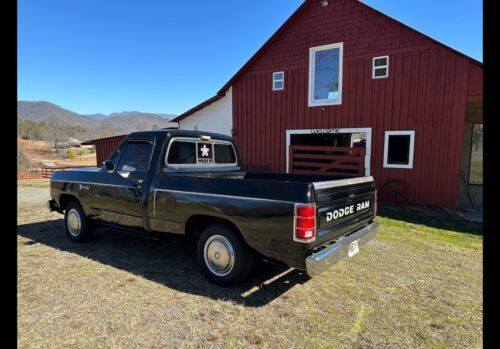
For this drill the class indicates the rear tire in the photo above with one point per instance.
(223, 255)
(78, 227)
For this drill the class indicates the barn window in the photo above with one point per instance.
(325, 74)
(398, 149)
(380, 67)
(278, 81)
(476, 155)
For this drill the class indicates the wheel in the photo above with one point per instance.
(223, 255)
(78, 226)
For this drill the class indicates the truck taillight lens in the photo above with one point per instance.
(375, 205)
(305, 222)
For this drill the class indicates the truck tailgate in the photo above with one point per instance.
(343, 206)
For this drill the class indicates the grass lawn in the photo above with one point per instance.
(417, 285)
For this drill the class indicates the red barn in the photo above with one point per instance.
(343, 88)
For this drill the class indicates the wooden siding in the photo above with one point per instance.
(216, 117)
(105, 147)
(426, 92)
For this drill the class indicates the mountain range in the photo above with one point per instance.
(124, 122)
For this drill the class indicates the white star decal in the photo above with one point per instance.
(204, 150)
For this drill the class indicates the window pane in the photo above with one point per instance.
(224, 154)
(278, 85)
(380, 62)
(380, 71)
(326, 74)
(135, 157)
(182, 153)
(278, 76)
(399, 150)
(476, 155)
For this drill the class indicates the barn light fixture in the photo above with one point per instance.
(324, 3)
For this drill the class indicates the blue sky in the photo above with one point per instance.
(95, 56)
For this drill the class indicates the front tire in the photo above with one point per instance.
(78, 226)
(223, 255)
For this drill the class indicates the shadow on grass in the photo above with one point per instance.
(430, 216)
(169, 262)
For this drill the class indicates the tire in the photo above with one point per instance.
(78, 227)
(223, 255)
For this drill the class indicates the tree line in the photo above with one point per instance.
(55, 133)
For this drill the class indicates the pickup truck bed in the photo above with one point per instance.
(262, 208)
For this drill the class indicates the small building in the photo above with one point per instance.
(68, 143)
(343, 88)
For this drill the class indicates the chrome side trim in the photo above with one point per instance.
(341, 182)
(324, 259)
(94, 183)
(225, 196)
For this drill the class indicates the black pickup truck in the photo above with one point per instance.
(192, 183)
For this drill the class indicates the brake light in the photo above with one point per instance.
(375, 205)
(305, 222)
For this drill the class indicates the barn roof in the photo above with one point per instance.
(222, 92)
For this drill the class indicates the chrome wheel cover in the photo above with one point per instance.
(219, 255)
(74, 222)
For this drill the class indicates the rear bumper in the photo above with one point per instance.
(324, 259)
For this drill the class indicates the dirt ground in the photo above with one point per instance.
(417, 285)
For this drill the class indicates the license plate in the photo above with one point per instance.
(353, 248)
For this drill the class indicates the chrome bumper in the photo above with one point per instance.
(324, 259)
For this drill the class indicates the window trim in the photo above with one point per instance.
(197, 165)
(410, 133)
(282, 80)
(374, 68)
(470, 155)
(124, 145)
(312, 51)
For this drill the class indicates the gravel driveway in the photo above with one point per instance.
(32, 195)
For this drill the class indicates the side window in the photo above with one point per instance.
(116, 155)
(398, 149)
(380, 67)
(135, 157)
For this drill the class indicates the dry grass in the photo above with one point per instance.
(37, 183)
(414, 286)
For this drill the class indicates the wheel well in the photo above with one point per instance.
(197, 223)
(65, 199)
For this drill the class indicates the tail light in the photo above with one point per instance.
(375, 204)
(305, 223)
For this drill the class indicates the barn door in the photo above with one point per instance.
(326, 160)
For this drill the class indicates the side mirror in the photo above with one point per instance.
(108, 165)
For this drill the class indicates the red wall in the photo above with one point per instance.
(426, 92)
(104, 148)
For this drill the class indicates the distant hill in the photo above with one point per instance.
(124, 122)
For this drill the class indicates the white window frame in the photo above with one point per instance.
(411, 150)
(312, 51)
(374, 68)
(282, 80)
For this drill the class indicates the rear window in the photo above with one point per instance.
(200, 153)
